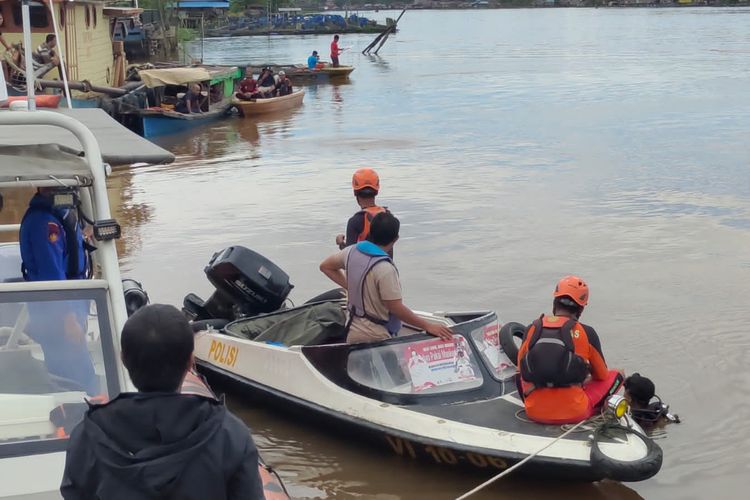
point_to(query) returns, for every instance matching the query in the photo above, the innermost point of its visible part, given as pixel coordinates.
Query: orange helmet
(573, 287)
(365, 178)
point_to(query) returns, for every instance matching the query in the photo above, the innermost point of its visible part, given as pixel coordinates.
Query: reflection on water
(516, 146)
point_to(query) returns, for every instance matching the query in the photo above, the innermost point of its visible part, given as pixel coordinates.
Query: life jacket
(369, 214)
(360, 261)
(556, 354)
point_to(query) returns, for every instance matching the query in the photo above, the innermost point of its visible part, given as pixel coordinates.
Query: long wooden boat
(338, 71)
(155, 122)
(167, 84)
(269, 104)
(301, 74)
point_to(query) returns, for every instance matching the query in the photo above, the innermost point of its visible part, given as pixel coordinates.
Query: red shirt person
(335, 51)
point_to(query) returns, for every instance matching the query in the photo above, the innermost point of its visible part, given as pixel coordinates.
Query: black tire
(508, 333)
(205, 324)
(618, 470)
(335, 294)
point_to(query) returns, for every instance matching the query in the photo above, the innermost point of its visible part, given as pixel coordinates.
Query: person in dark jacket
(158, 443)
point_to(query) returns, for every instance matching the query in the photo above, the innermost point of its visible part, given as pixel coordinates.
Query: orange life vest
(555, 352)
(569, 403)
(369, 213)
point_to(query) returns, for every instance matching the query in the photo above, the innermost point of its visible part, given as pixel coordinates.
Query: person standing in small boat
(158, 443)
(375, 304)
(335, 51)
(557, 356)
(366, 186)
(312, 61)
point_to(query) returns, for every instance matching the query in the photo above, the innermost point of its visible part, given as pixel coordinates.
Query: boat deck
(498, 413)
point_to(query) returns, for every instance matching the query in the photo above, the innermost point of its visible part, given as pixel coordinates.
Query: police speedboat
(38, 406)
(452, 403)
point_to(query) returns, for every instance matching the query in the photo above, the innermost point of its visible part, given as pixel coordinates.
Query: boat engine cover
(246, 280)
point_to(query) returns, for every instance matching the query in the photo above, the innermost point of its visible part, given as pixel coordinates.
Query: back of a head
(366, 183)
(571, 296)
(157, 347)
(49, 38)
(384, 229)
(640, 388)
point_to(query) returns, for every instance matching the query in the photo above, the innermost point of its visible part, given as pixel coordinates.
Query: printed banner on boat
(488, 341)
(437, 362)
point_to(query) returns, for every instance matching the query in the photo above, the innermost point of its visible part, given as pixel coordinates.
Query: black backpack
(551, 360)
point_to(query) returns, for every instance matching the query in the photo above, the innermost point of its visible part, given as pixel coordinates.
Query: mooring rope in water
(519, 464)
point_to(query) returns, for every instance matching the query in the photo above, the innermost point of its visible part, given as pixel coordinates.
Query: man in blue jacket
(53, 249)
(159, 443)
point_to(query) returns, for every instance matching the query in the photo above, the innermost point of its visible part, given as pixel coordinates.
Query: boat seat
(21, 373)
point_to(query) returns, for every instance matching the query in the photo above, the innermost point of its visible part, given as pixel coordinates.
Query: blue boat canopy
(188, 4)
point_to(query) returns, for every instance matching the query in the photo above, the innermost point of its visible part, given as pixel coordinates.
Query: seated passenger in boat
(558, 355)
(375, 305)
(248, 88)
(216, 93)
(312, 61)
(159, 443)
(192, 100)
(46, 53)
(266, 83)
(284, 85)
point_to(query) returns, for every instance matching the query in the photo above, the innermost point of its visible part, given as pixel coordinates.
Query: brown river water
(516, 147)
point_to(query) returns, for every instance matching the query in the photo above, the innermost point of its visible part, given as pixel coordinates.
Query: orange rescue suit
(562, 404)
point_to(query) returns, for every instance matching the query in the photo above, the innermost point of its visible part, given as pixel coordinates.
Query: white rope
(60, 51)
(508, 471)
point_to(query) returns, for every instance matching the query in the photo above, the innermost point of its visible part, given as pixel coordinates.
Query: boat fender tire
(330, 295)
(508, 333)
(206, 324)
(630, 471)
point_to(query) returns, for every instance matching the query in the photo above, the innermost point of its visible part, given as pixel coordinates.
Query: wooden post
(383, 36)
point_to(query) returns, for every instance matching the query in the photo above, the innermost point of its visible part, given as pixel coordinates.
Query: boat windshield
(486, 338)
(428, 366)
(55, 350)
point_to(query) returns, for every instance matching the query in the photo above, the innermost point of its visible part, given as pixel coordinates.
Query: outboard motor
(135, 296)
(247, 284)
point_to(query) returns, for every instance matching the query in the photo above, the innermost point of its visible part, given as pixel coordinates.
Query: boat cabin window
(56, 348)
(429, 366)
(487, 340)
(37, 16)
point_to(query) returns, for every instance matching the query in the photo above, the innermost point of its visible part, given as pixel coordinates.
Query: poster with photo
(437, 362)
(489, 344)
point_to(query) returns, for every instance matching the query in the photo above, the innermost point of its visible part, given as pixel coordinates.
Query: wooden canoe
(269, 104)
(339, 71)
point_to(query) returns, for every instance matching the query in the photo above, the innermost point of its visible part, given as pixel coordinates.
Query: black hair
(640, 388)
(384, 229)
(49, 38)
(566, 305)
(335, 37)
(367, 192)
(157, 343)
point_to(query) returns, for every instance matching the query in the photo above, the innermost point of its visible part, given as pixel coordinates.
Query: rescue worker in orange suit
(366, 185)
(564, 377)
